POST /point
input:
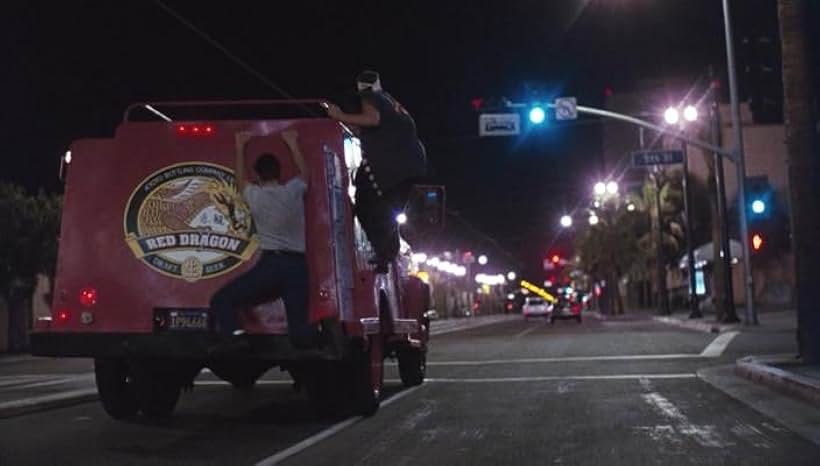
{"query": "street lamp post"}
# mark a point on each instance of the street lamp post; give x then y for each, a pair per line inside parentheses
(751, 314)
(690, 115)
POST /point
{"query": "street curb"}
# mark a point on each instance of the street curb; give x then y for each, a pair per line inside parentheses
(760, 369)
(46, 402)
(708, 327)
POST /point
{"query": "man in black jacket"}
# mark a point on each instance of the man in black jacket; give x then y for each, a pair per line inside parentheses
(394, 160)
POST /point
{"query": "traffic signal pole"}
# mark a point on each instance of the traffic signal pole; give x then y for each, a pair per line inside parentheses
(740, 163)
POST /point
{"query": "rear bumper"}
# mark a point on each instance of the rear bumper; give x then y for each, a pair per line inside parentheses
(192, 346)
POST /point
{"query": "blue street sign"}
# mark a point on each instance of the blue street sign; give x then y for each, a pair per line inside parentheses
(656, 157)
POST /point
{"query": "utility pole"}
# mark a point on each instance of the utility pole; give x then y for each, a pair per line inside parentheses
(730, 314)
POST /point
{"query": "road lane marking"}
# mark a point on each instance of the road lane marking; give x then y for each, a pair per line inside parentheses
(704, 435)
(718, 345)
(527, 331)
(551, 378)
(635, 357)
(327, 433)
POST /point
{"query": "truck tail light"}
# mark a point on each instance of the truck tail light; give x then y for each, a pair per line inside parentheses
(195, 129)
(63, 315)
(88, 297)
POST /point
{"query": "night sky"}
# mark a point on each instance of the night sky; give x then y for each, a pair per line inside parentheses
(70, 68)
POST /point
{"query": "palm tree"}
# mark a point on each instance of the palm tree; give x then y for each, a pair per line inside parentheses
(803, 167)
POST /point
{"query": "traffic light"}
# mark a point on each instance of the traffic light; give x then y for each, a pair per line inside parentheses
(760, 197)
(555, 259)
(757, 242)
(537, 114)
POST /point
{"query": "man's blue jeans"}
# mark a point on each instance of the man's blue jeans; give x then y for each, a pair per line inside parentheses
(275, 275)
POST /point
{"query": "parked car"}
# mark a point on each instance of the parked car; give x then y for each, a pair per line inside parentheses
(566, 309)
(535, 306)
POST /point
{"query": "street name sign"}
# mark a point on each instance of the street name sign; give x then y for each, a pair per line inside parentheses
(566, 108)
(499, 124)
(656, 157)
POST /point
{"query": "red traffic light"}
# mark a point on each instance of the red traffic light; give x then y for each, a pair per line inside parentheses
(555, 259)
(757, 242)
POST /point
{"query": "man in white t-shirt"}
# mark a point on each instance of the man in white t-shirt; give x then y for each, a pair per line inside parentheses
(278, 210)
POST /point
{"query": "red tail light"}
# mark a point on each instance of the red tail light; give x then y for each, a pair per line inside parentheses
(63, 315)
(195, 129)
(88, 297)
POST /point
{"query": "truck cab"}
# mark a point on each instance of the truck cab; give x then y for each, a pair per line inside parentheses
(153, 224)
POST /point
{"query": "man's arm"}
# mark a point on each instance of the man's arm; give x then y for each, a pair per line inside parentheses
(370, 115)
(291, 138)
(241, 139)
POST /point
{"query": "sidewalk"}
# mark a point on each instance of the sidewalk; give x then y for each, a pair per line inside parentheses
(784, 373)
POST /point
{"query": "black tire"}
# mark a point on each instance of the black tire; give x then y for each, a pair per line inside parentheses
(115, 385)
(363, 383)
(157, 389)
(321, 383)
(412, 366)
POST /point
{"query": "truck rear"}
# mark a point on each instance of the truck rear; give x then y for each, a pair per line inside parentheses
(153, 224)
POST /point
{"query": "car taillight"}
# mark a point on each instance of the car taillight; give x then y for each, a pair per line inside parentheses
(195, 129)
(88, 297)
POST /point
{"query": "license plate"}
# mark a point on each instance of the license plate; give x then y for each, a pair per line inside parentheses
(187, 319)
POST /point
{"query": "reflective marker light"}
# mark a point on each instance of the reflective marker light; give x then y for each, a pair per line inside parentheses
(195, 129)
(758, 206)
(88, 297)
(537, 115)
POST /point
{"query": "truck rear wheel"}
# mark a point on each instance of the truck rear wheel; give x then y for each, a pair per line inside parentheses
(366, 375)
(412, 366)
(115, 385)
(157, 389)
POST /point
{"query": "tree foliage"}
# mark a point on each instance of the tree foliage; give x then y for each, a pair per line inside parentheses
(28, 237)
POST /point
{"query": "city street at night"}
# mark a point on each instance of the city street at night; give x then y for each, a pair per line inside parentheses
(603, 392)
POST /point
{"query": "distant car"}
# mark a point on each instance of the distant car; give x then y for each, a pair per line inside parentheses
(535, 306)
(432, 314)
(566, 309)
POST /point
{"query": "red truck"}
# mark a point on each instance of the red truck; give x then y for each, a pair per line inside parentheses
(153, 225)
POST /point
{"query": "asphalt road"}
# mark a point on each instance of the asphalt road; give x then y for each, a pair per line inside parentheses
(614, 393)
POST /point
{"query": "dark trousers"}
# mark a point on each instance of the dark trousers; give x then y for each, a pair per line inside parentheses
(377, 214)
(275, 275)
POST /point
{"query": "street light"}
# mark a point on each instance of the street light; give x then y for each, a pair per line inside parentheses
(401, 219)
(671, 115)
(511, 275)
(690, 113)
(600, 188)
(630, 207)
(482, 260)
(566, 221)
(612, 188)
(593, 219)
